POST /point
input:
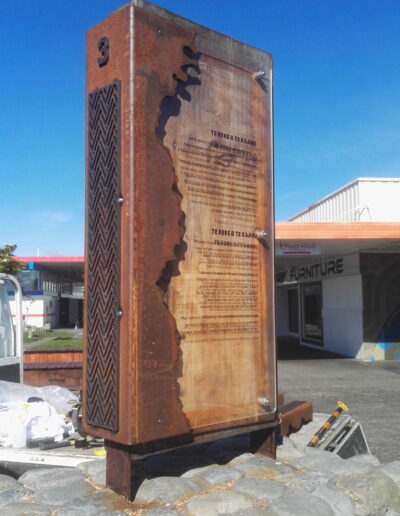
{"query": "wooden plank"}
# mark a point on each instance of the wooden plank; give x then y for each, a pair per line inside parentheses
(336, 230)
(70, 377)
(53, 356)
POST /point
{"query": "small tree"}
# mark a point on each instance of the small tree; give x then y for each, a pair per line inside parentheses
(8, 264)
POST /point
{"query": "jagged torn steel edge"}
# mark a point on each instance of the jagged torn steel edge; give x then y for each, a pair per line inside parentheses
(171, 268)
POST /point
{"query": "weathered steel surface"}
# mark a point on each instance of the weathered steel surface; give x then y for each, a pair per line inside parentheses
(184, 87)
(102, 337)
(149, 70)
(222, 300)
(119, 468)
(293, 415)
(116, 29)
(263, 442)
(159, 58)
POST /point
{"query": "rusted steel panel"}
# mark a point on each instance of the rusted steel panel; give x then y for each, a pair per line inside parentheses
(159, 57)
(196, 346)
(150, 227)
(119, 468)
(293, 415)
(107, 419)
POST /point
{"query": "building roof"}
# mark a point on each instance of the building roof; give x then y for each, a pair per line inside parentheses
(331, 237)
(50, 259)
(337, 238)
(70, 265)
(343, 188)
(337, 230)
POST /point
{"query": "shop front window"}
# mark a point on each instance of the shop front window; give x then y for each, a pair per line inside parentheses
(311, 308)
(29, 280)
(293, 302)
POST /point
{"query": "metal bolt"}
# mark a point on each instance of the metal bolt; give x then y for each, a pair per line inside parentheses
(160, 420)
(259, 74)
(161, 32)
(261, 235)
(120, 200)
(263, 401)
(119, 313)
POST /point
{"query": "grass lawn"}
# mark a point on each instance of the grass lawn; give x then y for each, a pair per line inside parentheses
(39, 335)
(61, 343)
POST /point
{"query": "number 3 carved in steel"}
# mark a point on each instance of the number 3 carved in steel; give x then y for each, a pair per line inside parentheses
(104, 48)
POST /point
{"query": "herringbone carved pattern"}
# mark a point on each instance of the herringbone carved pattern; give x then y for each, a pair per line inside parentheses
(103, 258)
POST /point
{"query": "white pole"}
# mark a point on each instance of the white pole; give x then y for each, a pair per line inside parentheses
(19, 334)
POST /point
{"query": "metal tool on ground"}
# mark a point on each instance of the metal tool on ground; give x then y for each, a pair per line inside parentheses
(328, 424)
(341, 435)
(76, 415)
(37, 442)
(81, 442)
(345, 438)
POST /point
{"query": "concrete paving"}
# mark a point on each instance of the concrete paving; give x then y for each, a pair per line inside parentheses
(370, 389)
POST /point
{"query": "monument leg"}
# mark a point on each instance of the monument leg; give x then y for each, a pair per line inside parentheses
(119, 468)
(263, 442)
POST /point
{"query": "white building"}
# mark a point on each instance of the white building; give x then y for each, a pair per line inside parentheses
(366, 199)
(338, 272)
(52, 290)
(337, 275)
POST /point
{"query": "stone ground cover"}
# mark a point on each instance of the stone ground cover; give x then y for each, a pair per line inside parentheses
(300, 482)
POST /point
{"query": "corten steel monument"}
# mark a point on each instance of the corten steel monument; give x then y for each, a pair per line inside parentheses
(180, 343)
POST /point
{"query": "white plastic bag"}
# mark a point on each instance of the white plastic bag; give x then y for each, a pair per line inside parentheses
(13, 428)
(21, 421)
(42, 421)
(57, 396)
(37, 420)
(10, 391)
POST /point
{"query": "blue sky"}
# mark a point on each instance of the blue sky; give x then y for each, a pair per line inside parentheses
(336, 98)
